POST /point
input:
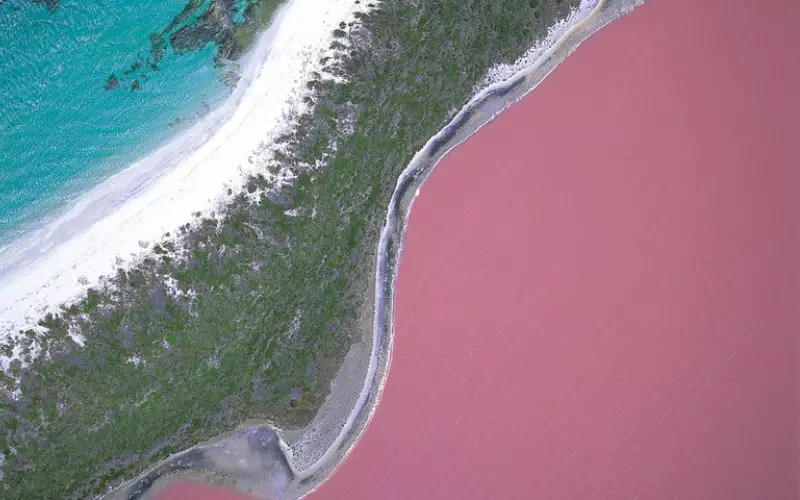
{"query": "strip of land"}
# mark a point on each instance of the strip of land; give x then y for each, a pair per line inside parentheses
(315, 451)
(251, 315)
(595, 294)
(116, 222)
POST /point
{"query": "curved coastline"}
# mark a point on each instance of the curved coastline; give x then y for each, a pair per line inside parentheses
(409, 447)
(39, 257)
(113, 222)
(479, 111)
(484, 107)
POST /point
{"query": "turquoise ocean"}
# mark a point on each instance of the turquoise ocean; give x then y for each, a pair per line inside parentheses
(65, 123)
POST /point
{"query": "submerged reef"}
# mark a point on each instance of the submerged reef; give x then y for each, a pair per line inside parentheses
(51, 5)
(225, 23)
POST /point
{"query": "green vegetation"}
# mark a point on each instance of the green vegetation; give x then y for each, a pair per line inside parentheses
(268, 302)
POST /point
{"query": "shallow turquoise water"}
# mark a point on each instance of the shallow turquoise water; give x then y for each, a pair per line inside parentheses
(61, 131)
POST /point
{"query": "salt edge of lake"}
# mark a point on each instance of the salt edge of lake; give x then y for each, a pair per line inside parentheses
(503, 76)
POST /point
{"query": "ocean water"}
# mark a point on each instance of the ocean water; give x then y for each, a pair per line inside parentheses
(62, 130)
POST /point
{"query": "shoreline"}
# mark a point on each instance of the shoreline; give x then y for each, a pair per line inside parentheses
(408, 450)
(115, 222)
(366, 391)
(494, 96)
(504, 86)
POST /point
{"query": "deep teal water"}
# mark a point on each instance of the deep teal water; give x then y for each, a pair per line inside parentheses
(61, 131)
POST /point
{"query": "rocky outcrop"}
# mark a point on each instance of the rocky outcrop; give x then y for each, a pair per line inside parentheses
(192, 29)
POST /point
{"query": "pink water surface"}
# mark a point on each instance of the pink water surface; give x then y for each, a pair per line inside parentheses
(193, 490)
(599, 295)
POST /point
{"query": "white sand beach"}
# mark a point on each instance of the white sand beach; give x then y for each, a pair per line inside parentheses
(112, 223)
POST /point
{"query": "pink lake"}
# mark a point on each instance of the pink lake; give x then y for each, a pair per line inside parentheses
(598, 296)
(193, 490)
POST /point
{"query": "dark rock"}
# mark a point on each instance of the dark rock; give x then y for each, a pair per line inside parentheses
(112, 82)
(51, 5)
(215, 25)
(134, 67)
(158, 44)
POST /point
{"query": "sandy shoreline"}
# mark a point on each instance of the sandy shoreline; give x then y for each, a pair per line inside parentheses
(468, 349)
(112, 223)
(503, 86)
(315, 452)
(94, 241)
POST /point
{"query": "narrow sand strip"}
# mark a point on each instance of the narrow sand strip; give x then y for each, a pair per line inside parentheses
(314, 453)
(110, 224)
(503, 86)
